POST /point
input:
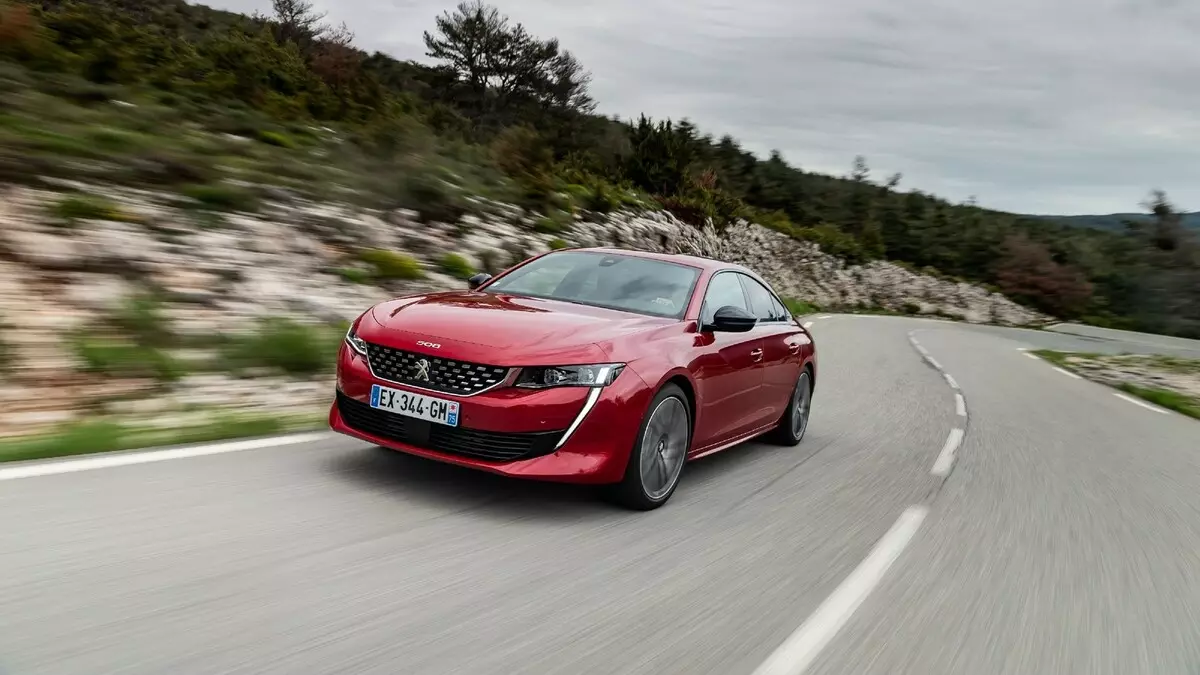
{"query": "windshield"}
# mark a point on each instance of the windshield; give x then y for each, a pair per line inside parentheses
(608, 280)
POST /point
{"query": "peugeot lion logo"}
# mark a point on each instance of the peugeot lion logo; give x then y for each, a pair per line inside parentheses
(422, 370)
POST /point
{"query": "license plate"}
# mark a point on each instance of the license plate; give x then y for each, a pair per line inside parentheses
(419, 406)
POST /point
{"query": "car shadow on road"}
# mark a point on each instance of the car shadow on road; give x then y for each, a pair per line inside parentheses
(457, 489)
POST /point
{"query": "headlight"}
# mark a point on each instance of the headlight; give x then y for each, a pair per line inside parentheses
(600, 375)
(356, 343)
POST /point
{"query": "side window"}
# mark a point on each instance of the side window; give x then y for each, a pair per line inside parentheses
(781, 311)
(762, 302)
(724, 289)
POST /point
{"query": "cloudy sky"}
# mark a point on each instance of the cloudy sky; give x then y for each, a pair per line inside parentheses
(1035, 106)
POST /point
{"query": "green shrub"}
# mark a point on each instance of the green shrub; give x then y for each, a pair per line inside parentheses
(119, 358)
(141, 318)
(456, 266)
(558, 244)
(911, 308)
(86, 207)
(222, 197)
(277, 139)
(800, 307)
(392, 265)
(355, 275)
(283, 345)
(433, 198)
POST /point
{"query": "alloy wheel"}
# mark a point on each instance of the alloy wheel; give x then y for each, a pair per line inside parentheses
(664, 447)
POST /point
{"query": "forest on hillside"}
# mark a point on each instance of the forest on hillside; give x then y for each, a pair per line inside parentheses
(508, 114)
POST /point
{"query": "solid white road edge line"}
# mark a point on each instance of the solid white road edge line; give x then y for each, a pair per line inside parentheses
(950, 380)
(1147, 406)
(945, 459)
(801, 648)
(960, 405)
(825, 316)
(1068, 373)
(1032, 356)
(128, 458)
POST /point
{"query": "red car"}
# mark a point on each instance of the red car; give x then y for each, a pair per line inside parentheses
(595, 366)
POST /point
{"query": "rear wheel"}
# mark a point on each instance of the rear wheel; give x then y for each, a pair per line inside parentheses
(794, 422)
(658, 454)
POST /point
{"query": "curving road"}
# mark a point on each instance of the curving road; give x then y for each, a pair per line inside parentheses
(1060, 535)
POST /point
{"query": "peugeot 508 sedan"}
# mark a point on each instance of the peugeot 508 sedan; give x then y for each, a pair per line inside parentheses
(595, 366)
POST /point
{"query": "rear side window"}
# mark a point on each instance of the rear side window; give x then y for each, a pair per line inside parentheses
(763, 302)
(723, 290)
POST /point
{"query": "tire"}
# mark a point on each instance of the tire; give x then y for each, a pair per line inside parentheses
(662, 445)
(794, 422)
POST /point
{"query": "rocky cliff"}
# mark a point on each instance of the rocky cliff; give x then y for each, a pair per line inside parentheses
(62, 274)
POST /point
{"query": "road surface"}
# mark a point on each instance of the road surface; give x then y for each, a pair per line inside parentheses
(1039, 524)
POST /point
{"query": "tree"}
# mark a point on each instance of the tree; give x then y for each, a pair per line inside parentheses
(1026, 271)
(297, 22)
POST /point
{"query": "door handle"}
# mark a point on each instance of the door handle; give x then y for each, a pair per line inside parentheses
(757, 354)
(794, 347)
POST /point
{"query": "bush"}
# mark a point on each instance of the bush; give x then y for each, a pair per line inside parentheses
(911, 308)
(433, 198)
(222, 197)
(86, 207)
(392, 265)
(115, 357)
(558, 244)
(284, 345)
(800, 307)
(456, 266)
(355, 275)
(141, 318)
(277, 139)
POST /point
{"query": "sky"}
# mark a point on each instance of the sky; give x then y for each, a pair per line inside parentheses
(1031, 106)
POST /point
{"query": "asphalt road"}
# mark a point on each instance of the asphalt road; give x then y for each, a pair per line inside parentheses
(1063, 536)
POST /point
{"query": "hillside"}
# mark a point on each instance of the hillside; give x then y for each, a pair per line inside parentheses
(1116, 222)
(226, 111)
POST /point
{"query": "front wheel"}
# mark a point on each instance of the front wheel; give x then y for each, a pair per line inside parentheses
(794, 422)
(658, 454)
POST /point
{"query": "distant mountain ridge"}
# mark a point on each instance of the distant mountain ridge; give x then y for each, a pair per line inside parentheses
(1115, 222)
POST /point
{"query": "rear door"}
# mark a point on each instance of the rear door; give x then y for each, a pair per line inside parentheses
(729, 369)
(782, 343)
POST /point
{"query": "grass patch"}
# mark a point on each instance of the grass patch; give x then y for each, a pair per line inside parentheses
(282, 345)
(94, 436)
(456, 266)
(355, 275)
(391, 265)
(558, 244)
(222, 197)
(86, 207)
(1162, 398)
(800, 307)
(119, 358)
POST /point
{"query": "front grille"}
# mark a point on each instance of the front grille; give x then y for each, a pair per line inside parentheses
(444, 375)
(486, 445)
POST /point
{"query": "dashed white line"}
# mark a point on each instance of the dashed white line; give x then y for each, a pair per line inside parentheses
(1032, 356)
(126, 459)
(1136, 402)
(825, 316)
(945, 459)
(933, 362)
(808, 324)
(1068, 373)
(924, 352)
(797, 653)
(960, 405)
(950, 381)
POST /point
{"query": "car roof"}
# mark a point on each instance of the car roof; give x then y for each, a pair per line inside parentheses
(706, 264)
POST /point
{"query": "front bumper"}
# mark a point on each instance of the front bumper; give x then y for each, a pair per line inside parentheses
(508, 431)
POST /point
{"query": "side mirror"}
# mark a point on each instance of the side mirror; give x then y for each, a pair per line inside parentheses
(478, 280)
(730, 319)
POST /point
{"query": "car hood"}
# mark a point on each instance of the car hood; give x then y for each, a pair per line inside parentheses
(495, 328)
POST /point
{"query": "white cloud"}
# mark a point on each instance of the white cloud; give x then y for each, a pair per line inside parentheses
(1042, 106)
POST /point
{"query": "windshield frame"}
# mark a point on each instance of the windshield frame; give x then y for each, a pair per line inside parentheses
(677, 316)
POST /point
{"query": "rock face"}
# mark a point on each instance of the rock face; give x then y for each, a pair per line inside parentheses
(223, 273)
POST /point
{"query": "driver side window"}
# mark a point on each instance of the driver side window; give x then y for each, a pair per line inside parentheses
(724, 289)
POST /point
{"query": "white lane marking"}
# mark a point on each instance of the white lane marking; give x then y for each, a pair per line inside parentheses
(945, 459)
(924, 352)
(1032, 356)
(1022, 349)
(1147, 406)
(1068, 373)
(950, 381)
(797, 653)
(128, 458)
(808, 324)
(933, 362)
(960, 405)
(825, 316)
